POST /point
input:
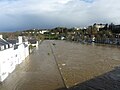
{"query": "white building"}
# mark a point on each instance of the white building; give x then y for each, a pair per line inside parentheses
(98, 26)
(11, 55)
(43, 31)
(33, 42)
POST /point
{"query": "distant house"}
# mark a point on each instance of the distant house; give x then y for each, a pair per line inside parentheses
(43, 31)
(99, 26)
(114, 28)
(33, 42)
(12, 53)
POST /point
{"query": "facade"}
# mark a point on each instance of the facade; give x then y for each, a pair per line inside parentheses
(43, 31)
(99, 26)
(115, 28)
(11, 54)
(33, 42)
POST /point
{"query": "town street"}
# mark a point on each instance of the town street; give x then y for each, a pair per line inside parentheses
(38, 72)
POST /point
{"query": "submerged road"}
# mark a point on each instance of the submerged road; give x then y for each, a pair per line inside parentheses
(38, 72)
(55, 65)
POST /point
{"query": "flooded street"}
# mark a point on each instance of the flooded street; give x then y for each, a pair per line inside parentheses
(88, 67)
(55, 65)
(38, 72)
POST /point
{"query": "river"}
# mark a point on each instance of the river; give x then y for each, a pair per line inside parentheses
(88, 67)
(55, 65)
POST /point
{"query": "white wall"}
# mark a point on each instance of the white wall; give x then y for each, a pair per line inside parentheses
(43, 31)
(9, 58)
(5, 62)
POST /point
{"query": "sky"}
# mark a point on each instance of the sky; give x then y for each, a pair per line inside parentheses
(16, 15)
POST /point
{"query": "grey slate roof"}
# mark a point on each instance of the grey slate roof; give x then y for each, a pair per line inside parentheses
(4, 43)
(32, 41)
(12, 41)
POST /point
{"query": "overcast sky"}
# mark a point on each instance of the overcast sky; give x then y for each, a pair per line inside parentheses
(25, 14)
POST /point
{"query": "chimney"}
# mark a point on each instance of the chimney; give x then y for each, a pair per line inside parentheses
(1, 36)
(19, 39)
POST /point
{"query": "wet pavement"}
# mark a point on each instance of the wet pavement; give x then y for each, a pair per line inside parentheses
(38, 72)
(55, 65)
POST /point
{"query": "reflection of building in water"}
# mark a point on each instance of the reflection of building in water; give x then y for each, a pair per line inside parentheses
(12, 53)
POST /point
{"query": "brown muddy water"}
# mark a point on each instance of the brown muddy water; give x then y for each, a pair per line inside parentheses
(38, 72)
(88, 67)
(55, 65)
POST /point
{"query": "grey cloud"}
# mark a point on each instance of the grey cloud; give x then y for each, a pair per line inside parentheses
(22, 14)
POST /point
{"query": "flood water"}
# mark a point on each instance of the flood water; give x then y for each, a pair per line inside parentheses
(38, 72)
(88, 67)
(55, 65)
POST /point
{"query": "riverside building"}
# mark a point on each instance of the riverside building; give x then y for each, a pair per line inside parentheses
(12, 53)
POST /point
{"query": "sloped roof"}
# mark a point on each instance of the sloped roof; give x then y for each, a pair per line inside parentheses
(32, 41)
(4, 42)
(12, 41)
